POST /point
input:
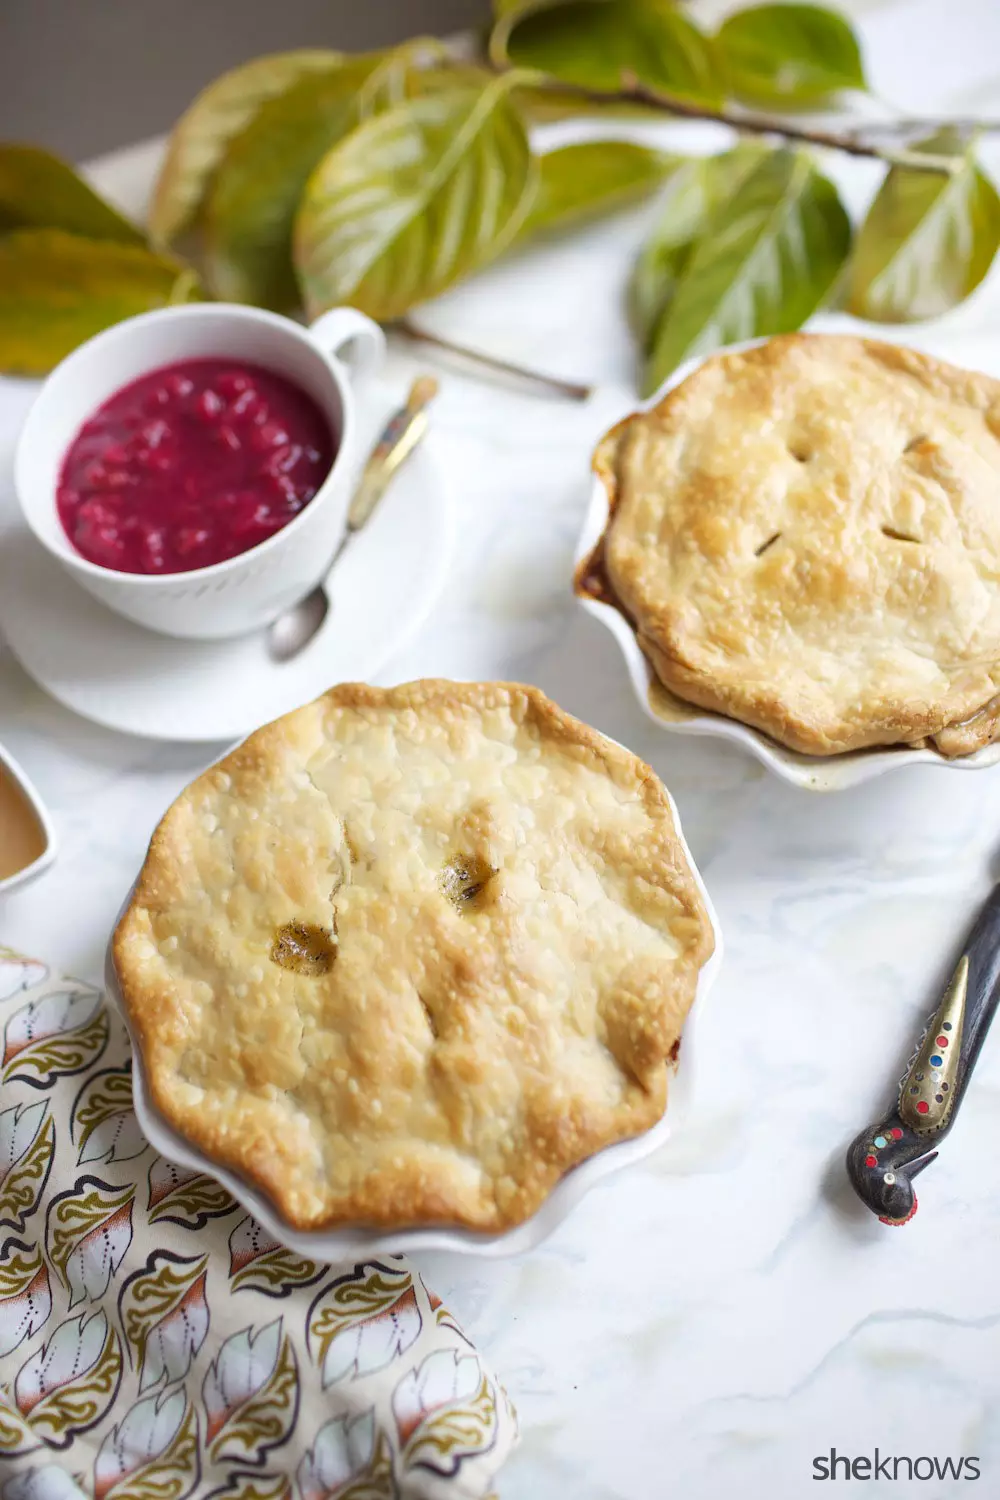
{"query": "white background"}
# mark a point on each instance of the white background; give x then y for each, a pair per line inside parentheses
(706, 1324)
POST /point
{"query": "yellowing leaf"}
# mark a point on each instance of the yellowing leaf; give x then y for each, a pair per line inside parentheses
(789, 54)
(56, 290)
(595, 42)
(593, 177)
(768, 257)
(927, 242)
(201, 135)
(692, 194)
(413, 200)
(39, 191)
(257, 187)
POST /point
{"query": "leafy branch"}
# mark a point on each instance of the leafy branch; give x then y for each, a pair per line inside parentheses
(313, 177)
(633, 91)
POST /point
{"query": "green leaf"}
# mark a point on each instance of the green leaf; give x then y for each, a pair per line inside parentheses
(789, 54)
(768, 257)
(38, 191)
(928, 240)
(58, 289)
(201, 135)
(593, 177)
(260, 180)
(413, 200)
(693, 193)
(594, 42)
(451, 73)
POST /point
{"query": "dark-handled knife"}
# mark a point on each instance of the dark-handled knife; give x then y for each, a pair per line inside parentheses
(884, 1159)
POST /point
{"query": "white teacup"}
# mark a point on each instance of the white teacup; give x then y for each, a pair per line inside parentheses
(245, 592)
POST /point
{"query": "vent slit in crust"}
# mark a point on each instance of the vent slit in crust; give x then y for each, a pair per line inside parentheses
(900, 536)
(431, 1023)
(465, 880)
(305, 948)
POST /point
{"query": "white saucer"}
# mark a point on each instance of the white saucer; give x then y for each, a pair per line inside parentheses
(129, 679)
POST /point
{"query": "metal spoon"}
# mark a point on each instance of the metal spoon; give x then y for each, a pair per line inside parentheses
(292, 631)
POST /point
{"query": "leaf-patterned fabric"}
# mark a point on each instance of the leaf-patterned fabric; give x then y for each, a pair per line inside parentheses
(157, 1344)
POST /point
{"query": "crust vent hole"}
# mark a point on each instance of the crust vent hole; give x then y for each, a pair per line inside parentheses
(799, 452)
(349, 844)
(429, 1014)
(900, 536)
(464, 880)
(304, 948)
(759, 551)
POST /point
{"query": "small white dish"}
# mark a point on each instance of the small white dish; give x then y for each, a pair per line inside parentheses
(832, 773)
(132, 680)
(22, 784)
(340, 1244)
(244, 592)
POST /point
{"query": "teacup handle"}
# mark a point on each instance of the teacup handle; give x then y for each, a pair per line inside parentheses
(350, 337)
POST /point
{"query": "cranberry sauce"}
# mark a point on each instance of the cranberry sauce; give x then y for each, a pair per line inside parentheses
(190, 465)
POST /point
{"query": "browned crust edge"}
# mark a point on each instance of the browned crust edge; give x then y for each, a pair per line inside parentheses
(416, 1197)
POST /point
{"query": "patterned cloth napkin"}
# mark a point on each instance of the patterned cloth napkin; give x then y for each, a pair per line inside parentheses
(157, 1344)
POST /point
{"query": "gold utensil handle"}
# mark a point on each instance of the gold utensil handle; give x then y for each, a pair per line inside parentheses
(399, 438)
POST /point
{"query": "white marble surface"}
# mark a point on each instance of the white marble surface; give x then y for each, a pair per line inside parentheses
(709, 1322)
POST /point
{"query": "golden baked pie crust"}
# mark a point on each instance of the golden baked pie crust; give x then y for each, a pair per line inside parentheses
(806, 537)
(474, 1035)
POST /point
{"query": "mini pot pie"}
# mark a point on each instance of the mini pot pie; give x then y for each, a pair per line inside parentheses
(806, 538)
(409, 954)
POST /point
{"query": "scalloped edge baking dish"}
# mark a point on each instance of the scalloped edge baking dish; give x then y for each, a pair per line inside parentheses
(832, 773)
(345, 1242)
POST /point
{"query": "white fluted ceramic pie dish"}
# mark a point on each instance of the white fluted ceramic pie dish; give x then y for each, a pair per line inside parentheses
(831, 773)
(342, 1243)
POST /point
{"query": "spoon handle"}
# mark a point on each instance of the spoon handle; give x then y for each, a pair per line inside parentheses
(884, 1158)
(398, 440)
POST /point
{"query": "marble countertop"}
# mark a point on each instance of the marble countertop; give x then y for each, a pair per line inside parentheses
(710, 1321)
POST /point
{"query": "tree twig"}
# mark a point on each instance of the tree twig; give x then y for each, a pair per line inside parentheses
(632, 91)
(963, 125)
(570, 389)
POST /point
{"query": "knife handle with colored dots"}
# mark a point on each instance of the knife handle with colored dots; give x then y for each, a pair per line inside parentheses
(884, 1159)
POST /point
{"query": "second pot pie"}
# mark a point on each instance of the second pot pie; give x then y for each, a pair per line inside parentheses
(806, 536)
(407, 955)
